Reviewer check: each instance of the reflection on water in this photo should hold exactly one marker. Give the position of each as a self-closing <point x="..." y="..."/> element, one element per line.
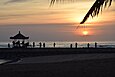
<point x="3" y="61"/>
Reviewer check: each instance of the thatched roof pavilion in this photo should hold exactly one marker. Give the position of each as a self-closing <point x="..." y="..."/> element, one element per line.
<point x="19" y="36"/>
<point x="19" y="41"/>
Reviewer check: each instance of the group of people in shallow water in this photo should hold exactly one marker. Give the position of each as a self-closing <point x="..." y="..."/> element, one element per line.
<point x="88" y="45"/>
<point x="44" y="45"/>
<point x="54" y="45"/>
<point x="18" y="44"/>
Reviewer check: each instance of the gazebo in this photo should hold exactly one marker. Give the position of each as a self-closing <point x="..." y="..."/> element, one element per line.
<point x="19" y="41"/>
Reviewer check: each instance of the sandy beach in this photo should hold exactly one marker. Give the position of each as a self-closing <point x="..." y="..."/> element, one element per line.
<point x="82" y="68"/>
<point x="73" y="65"/>
<point x="12" y="53"/>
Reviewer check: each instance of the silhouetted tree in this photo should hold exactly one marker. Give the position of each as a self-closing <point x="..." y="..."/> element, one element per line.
<point x="94" y="10"/>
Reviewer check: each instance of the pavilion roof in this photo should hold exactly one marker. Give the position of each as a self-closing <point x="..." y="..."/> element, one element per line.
<point x="19" y="36"/>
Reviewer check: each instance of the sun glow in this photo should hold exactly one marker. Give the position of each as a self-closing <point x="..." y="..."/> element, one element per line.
<point x="85" y="33"/>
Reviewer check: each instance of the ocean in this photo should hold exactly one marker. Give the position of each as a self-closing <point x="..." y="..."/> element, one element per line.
<point x="66" y="44"/>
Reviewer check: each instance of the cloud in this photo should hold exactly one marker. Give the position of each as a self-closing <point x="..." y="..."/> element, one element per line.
<point x="13" y="1"/>
<point x="2" y="17"/>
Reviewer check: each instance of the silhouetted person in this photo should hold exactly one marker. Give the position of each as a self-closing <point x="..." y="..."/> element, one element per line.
<point x="18" y="44"/>
<point x="13" y="42"/>
<point x="54" y="45"/>
<point x="76" y="45"/>
<point x="40" y="44"/>
<point x="26" y="44"/>
<point x="8" y="45"/>
<point x="43" y="45"/>
<point x="23" y="43"/>
<point x="95" y="45"/>
<point x="70" y="45"/>
<point x="88" y="45"/>
<point x="33" y="44"/>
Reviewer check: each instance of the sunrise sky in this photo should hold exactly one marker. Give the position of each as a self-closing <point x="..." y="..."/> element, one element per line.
<point x="57" y="23"/>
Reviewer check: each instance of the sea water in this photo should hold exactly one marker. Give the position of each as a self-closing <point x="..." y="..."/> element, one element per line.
<point x="65" y="44"/>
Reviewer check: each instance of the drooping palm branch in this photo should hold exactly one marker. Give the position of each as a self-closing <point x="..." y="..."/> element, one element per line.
<point x="94" y="10"/>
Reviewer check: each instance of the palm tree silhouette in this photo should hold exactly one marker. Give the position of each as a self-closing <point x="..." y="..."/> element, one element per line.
<point x="94" y="10"/>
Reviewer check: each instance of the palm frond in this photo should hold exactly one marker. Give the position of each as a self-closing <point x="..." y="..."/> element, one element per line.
<point x="95" y="9"/>
<point x="53" y="1"/>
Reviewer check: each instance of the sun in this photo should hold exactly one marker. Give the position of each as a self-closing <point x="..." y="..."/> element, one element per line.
<point x="85" y="33"/>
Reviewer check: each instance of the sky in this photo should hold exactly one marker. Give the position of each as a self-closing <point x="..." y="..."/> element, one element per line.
<point x="34" y="18"/>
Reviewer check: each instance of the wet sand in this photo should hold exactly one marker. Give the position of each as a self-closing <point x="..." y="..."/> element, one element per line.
<point x="81" y="68"/>
<point x="96" y="67"/>
<point x="11" y="53"/>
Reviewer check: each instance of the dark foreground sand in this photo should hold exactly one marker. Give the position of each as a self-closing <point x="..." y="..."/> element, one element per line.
<point x="82" y="68"/>
<point x="14" y="53"/>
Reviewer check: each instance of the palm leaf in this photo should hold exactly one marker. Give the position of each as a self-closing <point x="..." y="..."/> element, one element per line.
<point x="94" y="10"/>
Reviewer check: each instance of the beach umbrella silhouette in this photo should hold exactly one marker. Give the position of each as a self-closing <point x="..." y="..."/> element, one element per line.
<point x="94" y="10"/>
